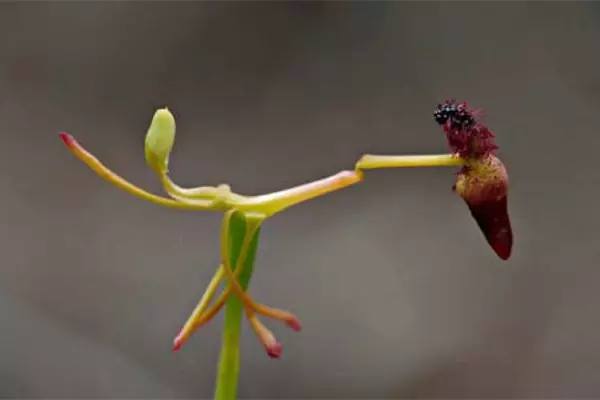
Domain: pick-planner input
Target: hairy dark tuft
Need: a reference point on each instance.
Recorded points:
(466, 135)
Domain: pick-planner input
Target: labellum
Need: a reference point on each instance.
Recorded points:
(483, 181)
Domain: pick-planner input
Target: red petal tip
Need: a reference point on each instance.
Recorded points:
(67, 139)
(177, 343)
(274, 350)
(294, 323)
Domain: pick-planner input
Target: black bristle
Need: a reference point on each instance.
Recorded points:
(458, 114)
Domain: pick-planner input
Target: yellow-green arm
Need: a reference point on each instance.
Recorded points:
(123, 184)
(370, 161)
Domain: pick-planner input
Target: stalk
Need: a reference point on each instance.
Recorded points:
(229, 362)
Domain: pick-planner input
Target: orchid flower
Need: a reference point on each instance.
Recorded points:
(159, 142)
(482, 182)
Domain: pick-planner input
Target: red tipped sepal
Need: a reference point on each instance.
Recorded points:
(67, 139)
(483, 184)
(274, 349)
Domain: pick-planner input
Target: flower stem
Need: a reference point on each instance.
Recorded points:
(370, 161)
(229, 363)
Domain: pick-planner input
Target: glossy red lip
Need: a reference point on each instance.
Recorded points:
(492, 218)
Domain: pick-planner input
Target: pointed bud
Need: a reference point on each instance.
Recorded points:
(483, 184)
(159, 140)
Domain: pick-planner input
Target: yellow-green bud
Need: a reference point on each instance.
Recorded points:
(160, 139)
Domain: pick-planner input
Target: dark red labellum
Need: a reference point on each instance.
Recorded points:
(483, 185)
(492, 218)
(483, 181)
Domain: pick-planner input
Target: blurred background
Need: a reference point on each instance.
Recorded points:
(399, 294)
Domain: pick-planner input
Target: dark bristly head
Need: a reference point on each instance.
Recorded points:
(466, 136)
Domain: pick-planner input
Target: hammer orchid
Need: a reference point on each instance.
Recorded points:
(482, 182)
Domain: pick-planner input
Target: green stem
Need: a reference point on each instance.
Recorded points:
(229, 363)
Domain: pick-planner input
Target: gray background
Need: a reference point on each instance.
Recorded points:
(398, 292)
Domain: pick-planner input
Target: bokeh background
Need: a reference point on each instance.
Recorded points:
(398, 292)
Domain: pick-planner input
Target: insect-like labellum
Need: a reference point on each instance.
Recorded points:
(484, 186)
(457, 115)
(467, 137)
(483, 181)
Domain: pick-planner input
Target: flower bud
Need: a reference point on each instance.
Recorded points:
(159, 140)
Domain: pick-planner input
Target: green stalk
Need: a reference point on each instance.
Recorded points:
(229, 363)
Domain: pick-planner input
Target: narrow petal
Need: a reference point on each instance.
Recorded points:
(272, 203)
(196, 322)
(264, 334)
(288, 318)
(110, 176)
(200, 316)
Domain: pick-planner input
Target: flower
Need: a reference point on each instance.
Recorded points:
(159, 142)
(482, 182)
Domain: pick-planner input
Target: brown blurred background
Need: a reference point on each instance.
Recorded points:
(398, 292)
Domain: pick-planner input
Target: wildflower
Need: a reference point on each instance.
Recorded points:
(482, 182)
(159, 142)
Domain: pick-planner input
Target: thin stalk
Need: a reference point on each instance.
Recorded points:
(229, 363)
(371, 161)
